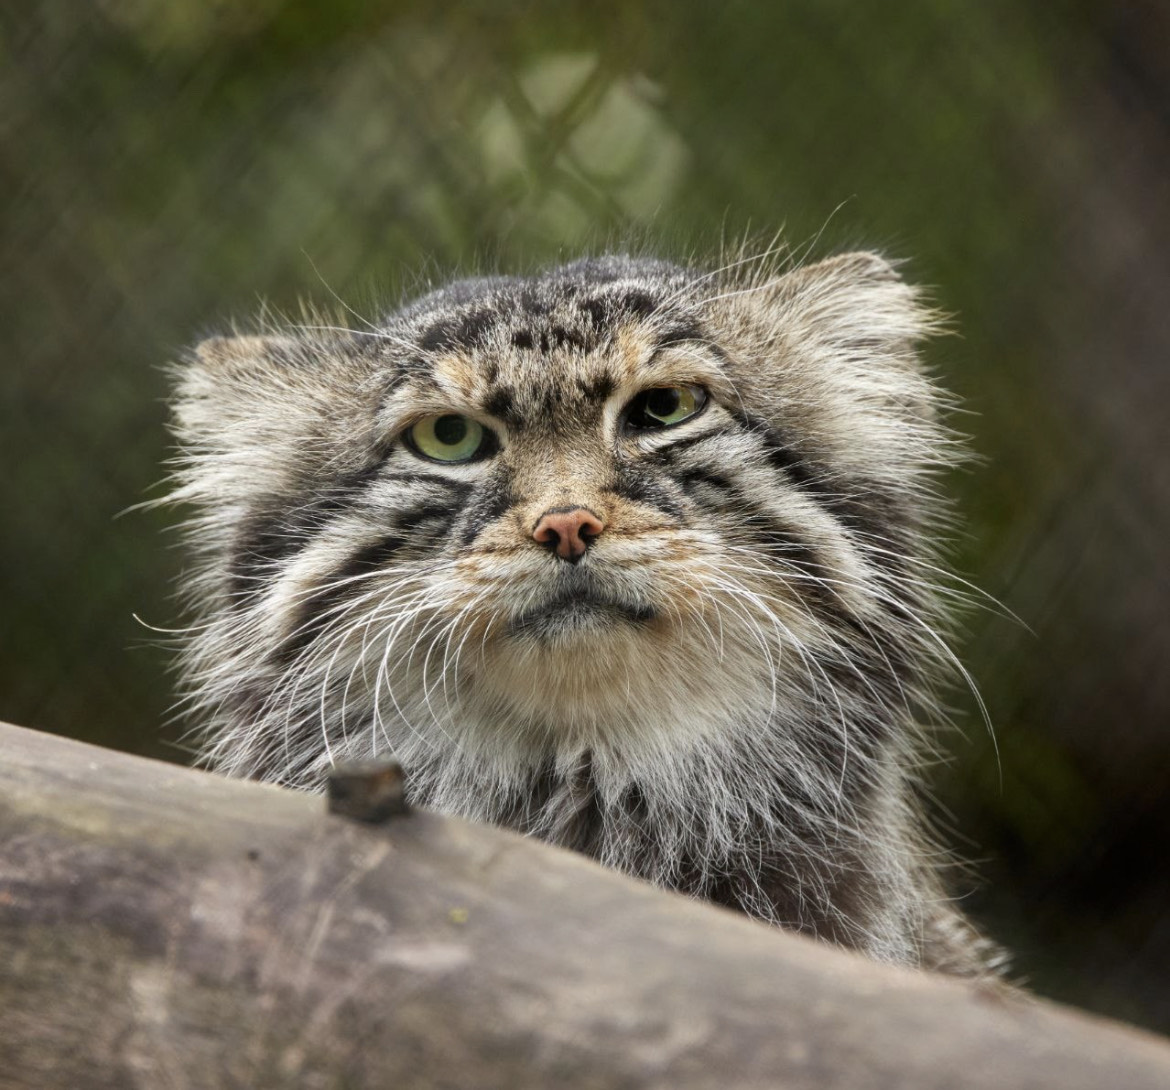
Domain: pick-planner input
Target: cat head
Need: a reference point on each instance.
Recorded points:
(619, 507)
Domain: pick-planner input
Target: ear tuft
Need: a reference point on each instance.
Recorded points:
(856, 302)
(861, 265)
(230, 353)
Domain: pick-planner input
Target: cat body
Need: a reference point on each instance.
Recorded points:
(630, 557)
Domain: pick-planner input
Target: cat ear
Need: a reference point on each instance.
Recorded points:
(227, 356)
(853, 303)
(225, 387)
(829, 353)
(248, 412)
(862, 264)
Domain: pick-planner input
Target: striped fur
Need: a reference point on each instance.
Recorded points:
(721, 697)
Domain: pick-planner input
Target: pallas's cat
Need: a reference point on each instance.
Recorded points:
(634, 558)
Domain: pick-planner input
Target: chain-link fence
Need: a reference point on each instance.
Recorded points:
(168, 166)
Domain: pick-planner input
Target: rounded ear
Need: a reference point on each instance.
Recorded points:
(256, 414)
(860, 265)
(226, 355)
(855, 303)
(829, 353)
(225, 388)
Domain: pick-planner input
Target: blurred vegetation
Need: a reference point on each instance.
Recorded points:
(162, 164)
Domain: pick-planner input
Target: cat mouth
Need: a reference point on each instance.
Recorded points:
(577, 609)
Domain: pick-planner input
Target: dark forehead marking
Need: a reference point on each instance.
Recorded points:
(551, 401)
(603, 309)
(563, 337)
(501, 402)
(689, 333)
(439, 336)
(459, 331)
(557, 336)
(680, 334)
(636, 303)
(598, 311)
(531, 302)
(597, 388)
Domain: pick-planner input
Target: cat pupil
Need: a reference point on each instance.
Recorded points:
(663, 402)
(450, 430)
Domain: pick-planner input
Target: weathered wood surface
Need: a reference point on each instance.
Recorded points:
(161, 928)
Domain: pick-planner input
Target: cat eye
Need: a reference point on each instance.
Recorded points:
(665, 406)
(450, 437)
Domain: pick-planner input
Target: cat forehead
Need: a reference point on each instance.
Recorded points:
(579, 306)
(521, 347)
(539, 386)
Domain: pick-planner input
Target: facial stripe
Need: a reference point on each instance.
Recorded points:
(319, 610)
(422, 526)
(704, 475)
(639, 486)
(776, 539)
(487, 504)
(668, 454)
(877, 516)
(799, 560)
(439, 514)
(457, 488)
(281, 526)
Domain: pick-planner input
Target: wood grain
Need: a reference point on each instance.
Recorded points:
(162, 927)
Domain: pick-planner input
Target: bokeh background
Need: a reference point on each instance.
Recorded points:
(165, 167)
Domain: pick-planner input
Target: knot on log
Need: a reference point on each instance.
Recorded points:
(368, 791)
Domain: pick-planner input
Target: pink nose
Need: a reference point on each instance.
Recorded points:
(568, 531)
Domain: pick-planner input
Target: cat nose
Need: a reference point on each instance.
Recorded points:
(567, 531)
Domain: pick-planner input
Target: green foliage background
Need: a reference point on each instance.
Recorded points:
(167, 166)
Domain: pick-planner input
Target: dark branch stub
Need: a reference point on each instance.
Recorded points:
(369, 791)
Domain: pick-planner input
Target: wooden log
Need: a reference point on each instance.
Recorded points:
(162, 927)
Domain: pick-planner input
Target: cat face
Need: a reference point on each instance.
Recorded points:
(621, 508)
(629, 557)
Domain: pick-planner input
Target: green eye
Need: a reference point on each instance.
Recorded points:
(665, 406)
(450, 438)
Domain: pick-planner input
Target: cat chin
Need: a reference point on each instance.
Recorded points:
(603, 682)
(567, 621)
